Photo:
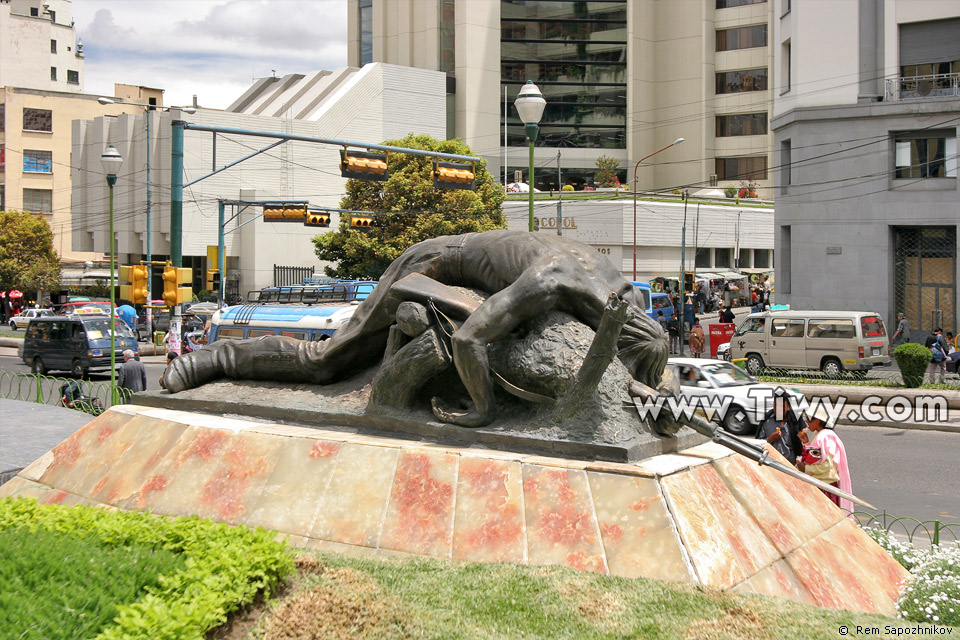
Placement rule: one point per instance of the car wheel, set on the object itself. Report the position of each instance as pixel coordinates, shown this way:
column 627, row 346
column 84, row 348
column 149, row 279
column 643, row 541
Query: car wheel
column 38, row 367
column 77, row 370
column 832, row 367
column 13, row 325
column 736, row 422
column 754, row 364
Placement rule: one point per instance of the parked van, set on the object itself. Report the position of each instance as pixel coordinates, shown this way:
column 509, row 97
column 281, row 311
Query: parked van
column 655, row 301
column 78, row 344
column 832, row 341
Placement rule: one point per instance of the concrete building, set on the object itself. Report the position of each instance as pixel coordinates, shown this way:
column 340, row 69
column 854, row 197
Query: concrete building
column 621, row 79
column 35, row 160
column 372, row 104
column 38, row 46
column 865, row 125
column 719, row 239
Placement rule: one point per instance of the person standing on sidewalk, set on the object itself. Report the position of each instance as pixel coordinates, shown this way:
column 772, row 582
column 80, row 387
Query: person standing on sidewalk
column 697, row 339
column 132, row 376
column 938, row 350
column 673, row 330
column 727, row 315
column 781, row 428
column 824, row 456
column 903, row 330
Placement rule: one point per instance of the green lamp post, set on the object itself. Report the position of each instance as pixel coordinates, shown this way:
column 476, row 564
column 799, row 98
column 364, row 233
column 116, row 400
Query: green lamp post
column 530, row 104
column 111, row 161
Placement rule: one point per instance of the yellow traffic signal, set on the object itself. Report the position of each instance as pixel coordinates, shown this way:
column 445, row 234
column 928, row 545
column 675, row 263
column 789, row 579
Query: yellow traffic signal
column 361, row 222
column 136, row 291
column 317, row 220
column 688, row 283
column 450, row 175
column 173, row 293
column 363, row 165
column 213, row 279
column 285, row 212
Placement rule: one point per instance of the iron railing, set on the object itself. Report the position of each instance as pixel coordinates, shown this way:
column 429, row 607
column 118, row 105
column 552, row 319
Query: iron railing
column 95, row 397
column 934, row 529
column 940, row 85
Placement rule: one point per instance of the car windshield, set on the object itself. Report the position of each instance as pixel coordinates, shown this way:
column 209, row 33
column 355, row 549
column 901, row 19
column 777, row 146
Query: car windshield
column 100, row 328
column 727, row 375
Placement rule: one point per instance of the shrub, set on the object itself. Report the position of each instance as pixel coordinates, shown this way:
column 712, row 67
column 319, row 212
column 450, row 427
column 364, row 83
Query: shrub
column 933, row 592
column 606, row 173
column 912, row 359
column 730, row 192
column 568, row 187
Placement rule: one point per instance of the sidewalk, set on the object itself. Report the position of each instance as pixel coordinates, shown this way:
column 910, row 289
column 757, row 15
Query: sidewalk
column 29, row 430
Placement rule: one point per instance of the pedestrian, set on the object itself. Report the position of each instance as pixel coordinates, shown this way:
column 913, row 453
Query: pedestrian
column 132, row 376
column 727, row 315
column 170, row 358
column 951, row 343
column 938, row 351
column 824, row 456
column 661, row 320
column 673, row 330
column 903, row 330
column 697, row 340
column 781, row 428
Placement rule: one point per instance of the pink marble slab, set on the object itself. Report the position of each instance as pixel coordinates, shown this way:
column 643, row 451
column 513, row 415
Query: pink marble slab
column 19, row 487
column 724, row 543
column 353, row 506
column 419, row 517
column 289, row 499
column 777, row 580
column 489, row 511
column 638, row 533
column 561, row 524
column 75, row 455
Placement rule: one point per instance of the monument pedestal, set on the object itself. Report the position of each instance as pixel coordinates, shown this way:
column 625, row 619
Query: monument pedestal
column 701, row 515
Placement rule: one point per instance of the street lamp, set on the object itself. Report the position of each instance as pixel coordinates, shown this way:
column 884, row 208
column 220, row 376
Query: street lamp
column 530, row 105
column 111, row 160
column 149, row 256
column 635, row 167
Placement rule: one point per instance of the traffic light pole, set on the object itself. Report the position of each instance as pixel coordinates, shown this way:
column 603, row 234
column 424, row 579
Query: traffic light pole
column 221, row 260
column 176, row 217
column 683, row 268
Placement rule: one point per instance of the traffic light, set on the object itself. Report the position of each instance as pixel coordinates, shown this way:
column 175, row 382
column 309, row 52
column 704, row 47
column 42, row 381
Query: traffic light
column 688, row 282
column 317, row 220
column 136, row 291
column 213, row 279
column 450, row 175
column 361, row 222
column 173, row 293
column 363, row 165
column 285, row 212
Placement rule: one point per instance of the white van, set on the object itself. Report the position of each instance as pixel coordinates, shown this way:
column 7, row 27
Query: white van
column 832, row 341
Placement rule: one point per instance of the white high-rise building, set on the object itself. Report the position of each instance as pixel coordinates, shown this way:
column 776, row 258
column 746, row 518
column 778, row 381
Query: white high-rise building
column 39, row 47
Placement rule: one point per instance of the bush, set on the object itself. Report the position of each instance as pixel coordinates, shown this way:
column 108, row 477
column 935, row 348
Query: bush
column 912, row 359
column 730, row 192
column 606, row 173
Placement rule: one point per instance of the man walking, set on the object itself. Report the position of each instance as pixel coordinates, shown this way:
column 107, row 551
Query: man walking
column 938, row 349
column 673, row 330
column 727, row 315
column 132, row 376
column 903, row 330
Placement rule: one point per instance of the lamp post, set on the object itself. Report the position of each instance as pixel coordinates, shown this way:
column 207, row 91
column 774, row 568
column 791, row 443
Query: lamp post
column 111, row 160
column 530, row 105
column 149, row 256
column 635, row 167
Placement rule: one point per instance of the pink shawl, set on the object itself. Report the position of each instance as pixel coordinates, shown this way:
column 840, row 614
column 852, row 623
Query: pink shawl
column 830, row 443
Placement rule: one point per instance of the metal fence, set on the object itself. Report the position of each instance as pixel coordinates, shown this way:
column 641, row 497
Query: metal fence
column 94, row 397
column 289, row 276
column 937, row 532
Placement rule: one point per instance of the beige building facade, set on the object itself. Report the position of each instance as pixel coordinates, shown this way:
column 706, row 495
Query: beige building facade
column 621, row 79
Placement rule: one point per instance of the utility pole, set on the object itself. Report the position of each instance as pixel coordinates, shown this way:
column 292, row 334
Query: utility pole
column 559, row 198
column 683, row 263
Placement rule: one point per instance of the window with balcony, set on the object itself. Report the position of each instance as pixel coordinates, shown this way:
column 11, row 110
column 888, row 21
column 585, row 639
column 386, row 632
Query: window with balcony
column 928, row 155
column 37, row 120
column 742, row 38
column 742, row 168
column 929, row 60
column 73, row 77
column 38, row 200
column 742, row 124
column 741, row 81
column 36, row 161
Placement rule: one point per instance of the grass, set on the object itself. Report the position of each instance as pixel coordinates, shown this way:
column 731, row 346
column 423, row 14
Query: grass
column 337, row 596
column 853, row 383
column 68, row 586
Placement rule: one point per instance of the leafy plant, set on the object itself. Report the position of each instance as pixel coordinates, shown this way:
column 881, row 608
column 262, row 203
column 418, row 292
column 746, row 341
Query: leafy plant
column 28, row 260
column 730, row 192
column 606, row 173
column 912, row 359
column 748, row 190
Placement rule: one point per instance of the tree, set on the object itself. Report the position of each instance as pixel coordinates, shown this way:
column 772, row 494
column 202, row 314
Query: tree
column 409, row 209
column 28, row 260
column 606, row 173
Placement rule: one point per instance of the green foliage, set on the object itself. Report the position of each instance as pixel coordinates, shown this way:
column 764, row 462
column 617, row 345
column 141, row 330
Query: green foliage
column 912, row 359
column 99, row 289
column 86, row 577
column 730, row 192
column 606, row 173
column 224, row 567
column 409, row 210
column 28, row 260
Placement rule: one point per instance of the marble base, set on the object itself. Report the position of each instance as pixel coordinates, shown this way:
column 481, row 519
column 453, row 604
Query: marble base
column 701, row 515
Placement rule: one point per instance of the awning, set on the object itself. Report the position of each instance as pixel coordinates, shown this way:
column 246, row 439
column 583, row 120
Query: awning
column 750, row 271
column 731, row 275
column 88, row 277
column 709, row 275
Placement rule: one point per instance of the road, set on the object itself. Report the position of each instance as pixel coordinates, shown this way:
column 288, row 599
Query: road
column 153, row 364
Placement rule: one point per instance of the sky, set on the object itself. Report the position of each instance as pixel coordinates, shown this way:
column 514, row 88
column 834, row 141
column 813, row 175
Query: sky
column 213, row 49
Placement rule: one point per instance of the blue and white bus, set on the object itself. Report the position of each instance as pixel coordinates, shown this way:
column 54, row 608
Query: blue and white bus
column 303, row 322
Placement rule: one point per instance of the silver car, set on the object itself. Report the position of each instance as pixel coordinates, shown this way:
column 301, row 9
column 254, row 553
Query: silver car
column 21, row 321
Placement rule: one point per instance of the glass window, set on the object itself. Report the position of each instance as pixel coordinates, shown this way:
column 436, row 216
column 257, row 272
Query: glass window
column 703, row 259
column 751, row 325
column 256, row 333
column 723, row 258
column 761, row 258
column 742, row 38
column 37, row 120
column 299, row 335
column 831, row 329
column 3, row 116
column 35, row 161
column 742, row 124
column 872, row 327
column 38, row 200
column 447, row 36
column 230, row 334
column 727, row 375
column 742, row 168
column 73, row 77
column 726, row 4
column 53, row 46
column 3, row 161
column 929, row 157
column 781, row 328
column 786, row 162
column 366, row 31
column 53, row 73
column 34, row 12
column 741, row 81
